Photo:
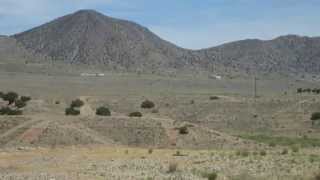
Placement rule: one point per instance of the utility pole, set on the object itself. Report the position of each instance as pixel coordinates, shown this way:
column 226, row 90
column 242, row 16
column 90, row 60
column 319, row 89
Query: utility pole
column 255, row 87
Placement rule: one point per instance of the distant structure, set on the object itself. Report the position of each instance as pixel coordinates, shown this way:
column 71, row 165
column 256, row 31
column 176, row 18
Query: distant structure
column 214, row 76
column 92, row 74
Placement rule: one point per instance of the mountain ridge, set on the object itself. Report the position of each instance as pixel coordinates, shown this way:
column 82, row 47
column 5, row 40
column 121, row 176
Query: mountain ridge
column 88, row 37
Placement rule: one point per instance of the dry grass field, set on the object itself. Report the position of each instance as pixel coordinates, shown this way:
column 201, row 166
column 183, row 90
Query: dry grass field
column 228, row 132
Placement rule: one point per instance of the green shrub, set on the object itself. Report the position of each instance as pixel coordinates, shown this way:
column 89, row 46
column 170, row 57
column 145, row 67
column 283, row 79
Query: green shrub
column 178, row 153
column 77, row 103
column 295, row 149
column 284, row 151
column 183, row 130
column 173, row 167
column 315, row 116
column 135, row 114
column 4, row 110
column 20, row 104
column 263, row 153
column 1, row 94
column 272, row 144
column 147, row 104
column 11, row 97
column 243, row 153
column 212, row 176
column 150, row 151
column 299, row 90
column 103, row 111
column 14, row 112
column 71, row 112
column 10, row 112
column 214, row 98
column 317, row 176
column 25, row 98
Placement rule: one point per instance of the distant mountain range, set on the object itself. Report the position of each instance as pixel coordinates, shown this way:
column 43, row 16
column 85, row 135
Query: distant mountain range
column 90, row 38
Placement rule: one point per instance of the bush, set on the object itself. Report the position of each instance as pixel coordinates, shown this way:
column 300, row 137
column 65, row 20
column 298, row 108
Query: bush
column 150, row 151
column 183, row 130
column 4, row 110
column 299, row 90
column 243, row 153
column 284, row 151
column 295, row 149
column 14, row 112
column 214, row 98
column 263, row 153
column 25, row 98
column 71, row 112
column 77, row 103
column 172, row 167
column 10, row 97
column 10, row 112
column 272, row 144
column 315, row 116
column 177, row 153
column 103, row 111
column 20, row 104
column 135, row 114
column 1, row 94
column 212, row 176
column 317, row 176
column 147, row 104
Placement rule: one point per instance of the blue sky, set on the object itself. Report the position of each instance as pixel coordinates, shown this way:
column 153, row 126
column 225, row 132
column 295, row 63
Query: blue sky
column 191, row 24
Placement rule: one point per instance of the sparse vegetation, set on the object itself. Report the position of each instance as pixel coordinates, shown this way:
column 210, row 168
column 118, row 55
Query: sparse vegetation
column 25, row 98
column 183, row 130
column 103, row 111
column 317, row 176
column 243, row 153
column 150, row 151
column 214, row 97
column 173, row 167
column 263, row 153
column 308, row 90
column 70, row 111
column 295, row 149
column 284, row 151
column 315, row 116
column 284, row 141
column 177, row 153
column 77, row 103
column 10, row 112
column 147, row 104
column 20, row 104
column 11, row 97
column 211, row 176
column 135, row 114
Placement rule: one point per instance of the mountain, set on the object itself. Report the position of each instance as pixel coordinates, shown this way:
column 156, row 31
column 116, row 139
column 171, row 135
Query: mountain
column 90, row 38
column 285, row 54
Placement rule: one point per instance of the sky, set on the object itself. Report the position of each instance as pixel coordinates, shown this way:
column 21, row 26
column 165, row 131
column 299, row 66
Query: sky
column 192, row 24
